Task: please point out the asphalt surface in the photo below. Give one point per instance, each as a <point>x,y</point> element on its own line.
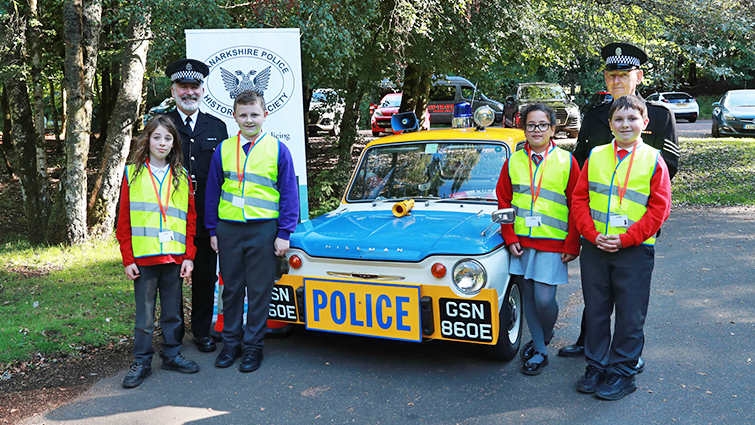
<point>699,354</point>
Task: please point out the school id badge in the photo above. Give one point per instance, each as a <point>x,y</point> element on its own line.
<point>166,236</point>
<point>533,220</point>
<point>619,220</point>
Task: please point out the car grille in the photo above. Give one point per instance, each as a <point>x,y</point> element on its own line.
<point>747,120</point>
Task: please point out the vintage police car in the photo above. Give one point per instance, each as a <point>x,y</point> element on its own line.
<point>411,253</point>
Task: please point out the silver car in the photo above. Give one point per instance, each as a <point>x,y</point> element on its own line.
<point>681,104</point>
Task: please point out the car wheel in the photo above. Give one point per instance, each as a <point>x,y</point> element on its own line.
<point>693,119</point>
<point>714,130</point>
<point>573,134</point>
<point>375,133</point>
<point>509,324</point>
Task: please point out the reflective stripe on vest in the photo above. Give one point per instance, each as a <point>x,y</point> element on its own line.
<point>146,219</point>
<point>551,203</point>
<point>603,181</point>
<point>259,188</point>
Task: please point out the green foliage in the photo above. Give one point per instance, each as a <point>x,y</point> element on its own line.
<point>326,190</point>
<point>60,299</point>
<point>715,172</point>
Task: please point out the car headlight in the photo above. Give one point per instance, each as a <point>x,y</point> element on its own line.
<point>728,117</point>
<point>469,276</point>
<point>572,111</point>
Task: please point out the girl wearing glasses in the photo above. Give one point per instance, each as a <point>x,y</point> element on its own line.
<point>537,182</point>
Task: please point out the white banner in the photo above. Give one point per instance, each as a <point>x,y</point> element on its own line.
<point>265,59</point>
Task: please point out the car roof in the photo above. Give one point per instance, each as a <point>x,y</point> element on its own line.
<point>451,80</point>
<point>509,136</point>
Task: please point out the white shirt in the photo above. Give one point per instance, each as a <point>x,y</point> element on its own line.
<point>193,116</point>
<point>159,173</point>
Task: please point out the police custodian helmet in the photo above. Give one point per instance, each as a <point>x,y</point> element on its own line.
<point>623,57</point>
<point>187,71</point>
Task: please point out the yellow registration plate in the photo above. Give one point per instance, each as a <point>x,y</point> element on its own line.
<point>382,310</point>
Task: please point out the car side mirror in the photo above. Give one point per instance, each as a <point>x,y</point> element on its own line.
<point>716,104</point>
<point>503,216</point>
<point>510,99</point>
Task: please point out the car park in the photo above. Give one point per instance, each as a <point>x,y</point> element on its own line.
<point>734,114</point>
<point>325,111</point>
<point>568,118</point>
<point>681,104</point>
<point>446,92</point>
<point>381,117</point>
<point>414,250</point>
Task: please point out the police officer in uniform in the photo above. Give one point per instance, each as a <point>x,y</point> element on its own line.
<point>623,75</point>
<point>200,134</point>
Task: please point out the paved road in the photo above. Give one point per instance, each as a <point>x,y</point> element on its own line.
<point>699,355</point>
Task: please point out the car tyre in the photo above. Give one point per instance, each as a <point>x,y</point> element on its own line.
<point>510,324</point>
<point>375,133</point>
<point>693,119</point>
<point>714,130</point>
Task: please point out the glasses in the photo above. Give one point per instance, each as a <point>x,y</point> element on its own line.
<point>542,127</point>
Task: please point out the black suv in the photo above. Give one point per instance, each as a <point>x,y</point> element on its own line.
<point>551,94</point>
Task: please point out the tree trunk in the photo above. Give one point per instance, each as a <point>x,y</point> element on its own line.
<point>34,51</point>
<point>102,203</point>
<point>416,89</point>
<point>349,121</point>
<point>34,189</point>
<point>81,29</point>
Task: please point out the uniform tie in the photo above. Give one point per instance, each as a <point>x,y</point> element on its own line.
<point>188,121</point>
<point>536,158</point>
<point>623,153</point>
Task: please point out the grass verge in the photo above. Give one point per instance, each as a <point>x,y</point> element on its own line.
<point>715,172</point>
<point>59,300</point>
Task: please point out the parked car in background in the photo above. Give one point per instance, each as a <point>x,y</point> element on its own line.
<point>681,104</point>
<point>598,98</point>
<point>448,91</point>
<point>325,111</point>
<point>734,115</point>
<point>568,118</point>
<point>381,118</point>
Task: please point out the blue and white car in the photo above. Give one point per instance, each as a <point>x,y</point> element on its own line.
<point>412,252</point>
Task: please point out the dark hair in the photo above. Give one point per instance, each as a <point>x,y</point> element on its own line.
<point>537,107</point>
<point>249,97</point>
<point>629,101</point>
<point>175,157</point>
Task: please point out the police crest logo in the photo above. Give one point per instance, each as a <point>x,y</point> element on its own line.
<point>238,68</point>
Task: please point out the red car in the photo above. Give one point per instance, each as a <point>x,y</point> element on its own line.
<point>381,118</point>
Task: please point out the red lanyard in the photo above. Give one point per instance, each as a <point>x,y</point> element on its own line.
<point>623,191</point>
<point>536,191</point>
<point>163,211</point>
<point>239,170</point>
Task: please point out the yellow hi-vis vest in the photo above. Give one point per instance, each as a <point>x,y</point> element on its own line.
<point>603,186</point>
<point>257,196</point>
<point>147,221</point>
<point>551,202</point>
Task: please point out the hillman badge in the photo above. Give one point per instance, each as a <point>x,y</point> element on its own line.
<point>238,68</point>
<point>618,51</point>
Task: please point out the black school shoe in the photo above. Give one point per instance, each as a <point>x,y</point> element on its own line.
<point>136,374</point>
<point>533,369</point>
<point>251,361</point>
<point>227,356</point>
<point>593,378</point>
<point>616,387</point>
<point>181,364</point>
<point>527,351</point>
<point>205,344</point>
<point>573,350</point>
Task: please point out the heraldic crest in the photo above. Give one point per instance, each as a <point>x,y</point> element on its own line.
<point>234,86</point>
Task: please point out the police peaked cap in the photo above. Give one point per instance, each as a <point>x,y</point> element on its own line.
<point>187,71</point>
<point>623,57</point>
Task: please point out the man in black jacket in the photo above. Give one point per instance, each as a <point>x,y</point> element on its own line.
<point>200,135</point>
<point>623,75</point>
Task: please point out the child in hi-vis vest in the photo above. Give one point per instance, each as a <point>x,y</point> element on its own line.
<point>156,228</point>
<point>537,182</point>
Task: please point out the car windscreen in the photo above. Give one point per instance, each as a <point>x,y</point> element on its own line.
<point>740,99</point>
<point>433,169</point>
<point>542,93</point>
<point>677,97</point>
<point>391,102</point>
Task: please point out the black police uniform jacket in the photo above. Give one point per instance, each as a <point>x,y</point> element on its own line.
<point>660,134</point>
<point>198,147</point>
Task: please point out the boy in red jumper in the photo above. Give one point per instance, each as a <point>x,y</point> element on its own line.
<point>622,198</point>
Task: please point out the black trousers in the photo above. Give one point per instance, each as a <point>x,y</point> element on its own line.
<point>246,253</point>
<point>203,280</point>
<point>619,281</point>
<point>165,279</point>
